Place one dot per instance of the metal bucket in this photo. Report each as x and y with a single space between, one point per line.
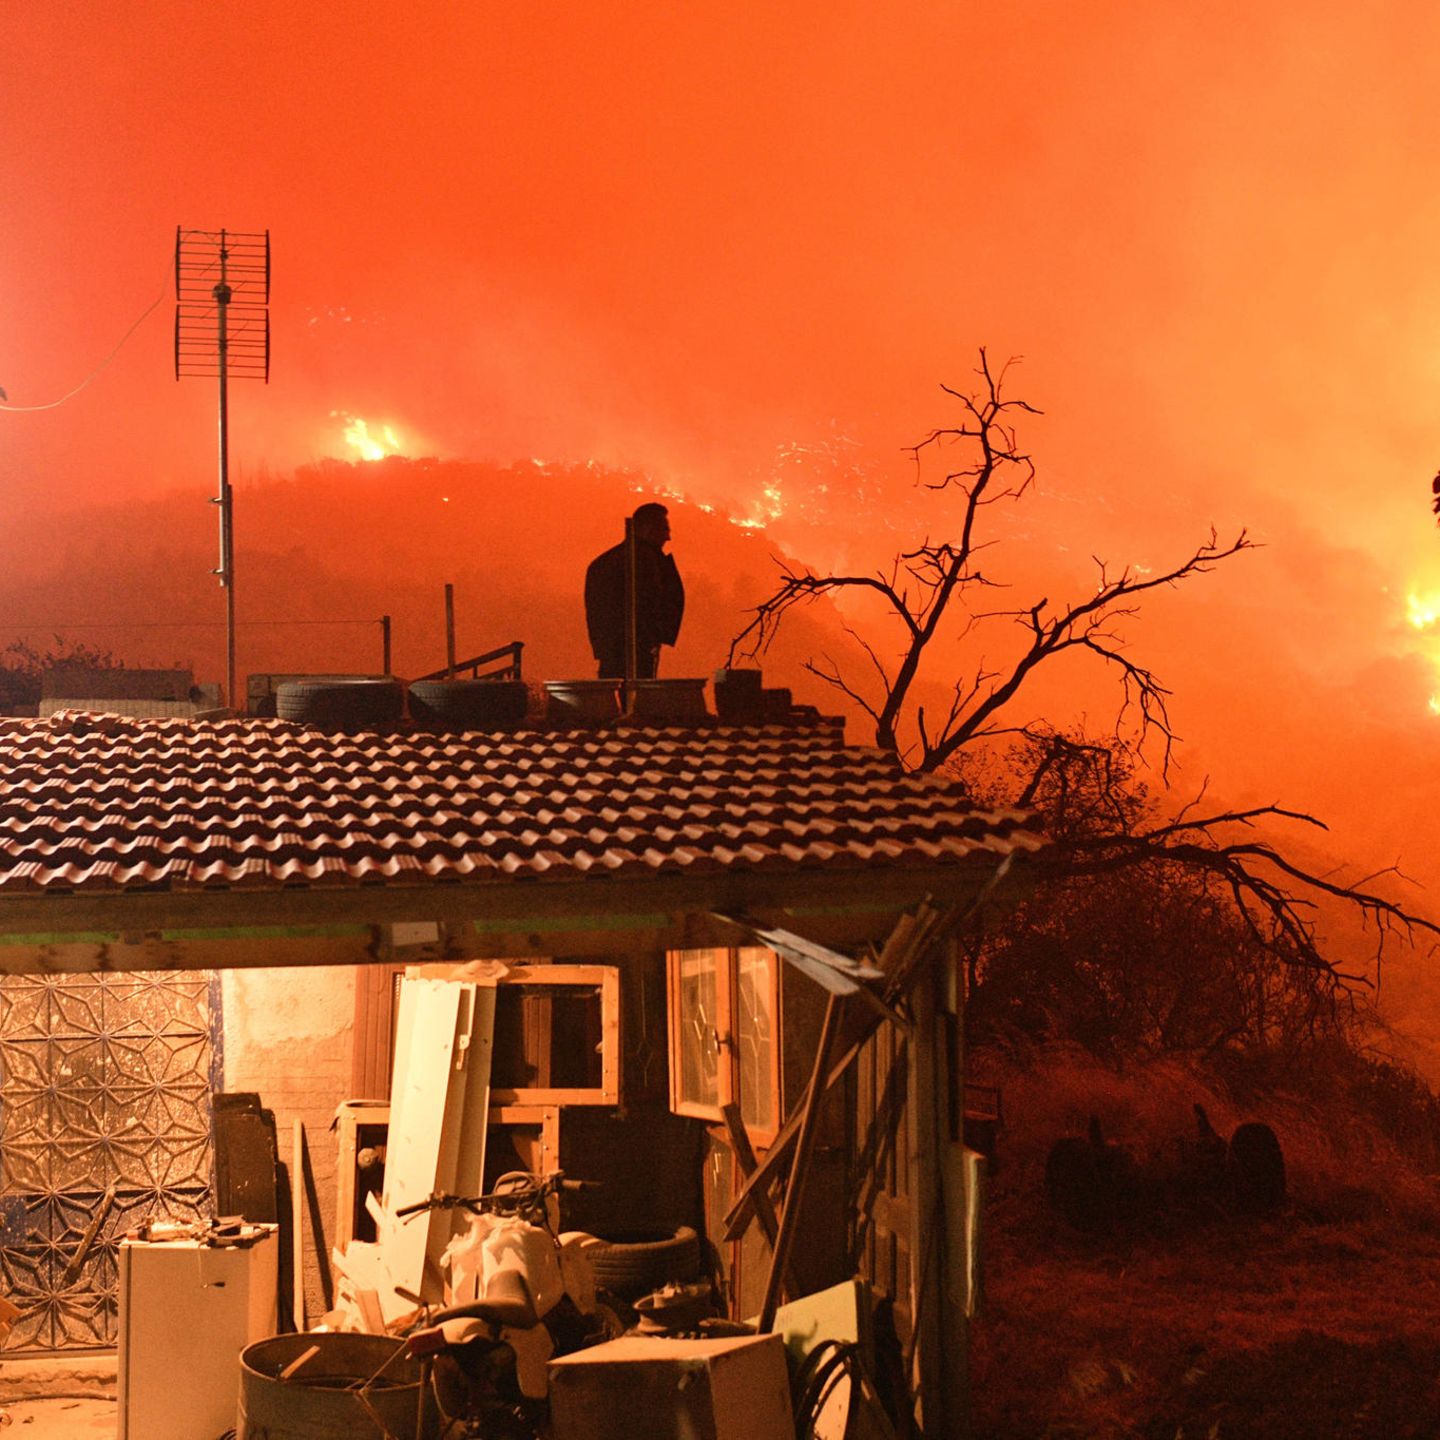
666 699
582 702
328 1398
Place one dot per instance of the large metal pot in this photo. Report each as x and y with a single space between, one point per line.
356 1387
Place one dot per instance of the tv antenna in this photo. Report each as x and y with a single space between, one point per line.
222 328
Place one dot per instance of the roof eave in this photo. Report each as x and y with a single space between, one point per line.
86 931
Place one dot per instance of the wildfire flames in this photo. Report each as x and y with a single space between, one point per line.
368 446
1423 614
1423 611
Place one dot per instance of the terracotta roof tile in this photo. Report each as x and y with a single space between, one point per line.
100 803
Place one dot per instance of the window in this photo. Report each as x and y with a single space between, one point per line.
724 1046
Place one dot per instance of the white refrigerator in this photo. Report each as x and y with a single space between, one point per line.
187 1310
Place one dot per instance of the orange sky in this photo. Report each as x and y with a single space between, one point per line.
681 237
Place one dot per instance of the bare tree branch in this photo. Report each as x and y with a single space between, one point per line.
943 578
936 591
1275 896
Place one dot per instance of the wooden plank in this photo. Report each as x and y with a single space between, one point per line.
425 1048
55 953
371 1310
460 1169
297 1224
862 1242
974 1220
537 1021
303 1358
889 1045
861 903
348 1119
529 1095
955 1171
610 1038
745 1166
799 1169
516 973
673 1036
737 1218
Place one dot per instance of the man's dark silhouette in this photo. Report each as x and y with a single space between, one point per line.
659 597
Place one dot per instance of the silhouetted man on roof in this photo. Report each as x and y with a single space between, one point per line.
659 597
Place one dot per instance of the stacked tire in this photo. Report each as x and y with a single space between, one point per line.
635 1264
341 702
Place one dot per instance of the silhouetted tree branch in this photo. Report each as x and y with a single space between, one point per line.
1271 893
1159 925
938 584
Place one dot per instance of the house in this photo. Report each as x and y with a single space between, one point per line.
192 904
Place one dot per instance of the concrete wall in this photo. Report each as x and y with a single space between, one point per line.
287 1036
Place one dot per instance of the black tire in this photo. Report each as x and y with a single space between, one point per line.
1256 1167
469 704
1076 1186
633 1264
341 703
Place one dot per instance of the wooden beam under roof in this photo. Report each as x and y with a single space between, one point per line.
610 916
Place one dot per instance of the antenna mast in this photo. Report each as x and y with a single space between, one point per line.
222 328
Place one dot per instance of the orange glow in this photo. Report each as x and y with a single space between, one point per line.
640 238
766 509
368 446
1422 612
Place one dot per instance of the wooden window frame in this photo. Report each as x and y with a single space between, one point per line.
603 978
727 992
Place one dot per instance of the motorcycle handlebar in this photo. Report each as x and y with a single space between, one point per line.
497 1199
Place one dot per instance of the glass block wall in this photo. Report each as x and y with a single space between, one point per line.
104 1083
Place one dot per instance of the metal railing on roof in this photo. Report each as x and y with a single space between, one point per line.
508 671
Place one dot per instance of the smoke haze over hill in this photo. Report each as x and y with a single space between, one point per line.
729 256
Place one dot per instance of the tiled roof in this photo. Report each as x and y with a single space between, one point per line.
101 804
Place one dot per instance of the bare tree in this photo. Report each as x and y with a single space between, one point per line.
940 588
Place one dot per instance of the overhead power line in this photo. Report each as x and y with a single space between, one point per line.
140 319
8 625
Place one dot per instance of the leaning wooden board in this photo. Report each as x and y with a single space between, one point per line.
438 1104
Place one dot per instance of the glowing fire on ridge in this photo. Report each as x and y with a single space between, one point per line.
367 445
1423 614
1422 611
764 511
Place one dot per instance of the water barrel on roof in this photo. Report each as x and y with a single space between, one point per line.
581 702
674 701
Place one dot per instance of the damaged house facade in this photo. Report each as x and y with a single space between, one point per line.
715 960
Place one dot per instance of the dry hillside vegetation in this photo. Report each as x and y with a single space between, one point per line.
1205 1325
